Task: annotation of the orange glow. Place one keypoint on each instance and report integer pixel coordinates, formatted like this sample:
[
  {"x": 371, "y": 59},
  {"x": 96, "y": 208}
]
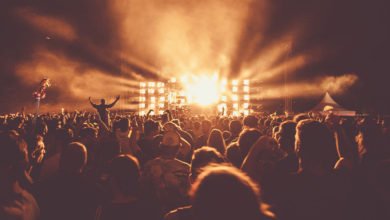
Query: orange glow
[{"x": 203, "y": 90}]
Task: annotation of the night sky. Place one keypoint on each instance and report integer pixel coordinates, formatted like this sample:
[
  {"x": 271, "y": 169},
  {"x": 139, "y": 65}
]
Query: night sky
[{"x": 85, "y": 37}]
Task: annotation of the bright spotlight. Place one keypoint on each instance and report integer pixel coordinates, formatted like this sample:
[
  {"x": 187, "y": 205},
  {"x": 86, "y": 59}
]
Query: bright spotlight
[{"x": 203, "y": 90}]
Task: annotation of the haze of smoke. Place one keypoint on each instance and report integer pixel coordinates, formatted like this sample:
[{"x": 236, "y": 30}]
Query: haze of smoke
[{"x": 332, "y": 84}]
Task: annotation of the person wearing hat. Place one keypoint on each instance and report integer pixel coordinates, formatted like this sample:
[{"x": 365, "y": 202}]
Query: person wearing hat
[{"x": 166, "y": 178}]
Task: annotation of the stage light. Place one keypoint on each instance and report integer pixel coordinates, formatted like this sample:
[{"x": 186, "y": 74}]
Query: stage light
[
  {"x": 246, "y": 82},
  {"x": 161, "y": 112},
  {"x": 246, "y": 112},
  {"x": 235, "y": 82},
  {"x": 142, "y": 105},
  {"x": 151, "y": 91},
  {"x": 221, "y": 107},
  {"x": 235, "y": 97},
  {"x": 142, "y": 112},
  {"x": 151, "y": 84},
  {"x": 161, "y": 90},
  {"x": 162, "y": 99},
  {"x": 246, "y": 105},
  {"x": 246, "y": 89},
  {"x": 142, "y": 99},
  {"x": 160, "y": 84},
  {"x": 142, "y": 91},
  {"x": 236, "y": 113},
  {"x": 152, "y": 99},
  {"x": 246, "y": 97},
  {"x": 235, "y": 106},
  {"x": 152, "y": 106},
  {"x": 202, "y": 90},
  {"x": 142, "y": 84},
  {"x": 224, "y": 82},
  {"x": 173, "y": 80},
  {"x": 161, "y": 105},
  {"x": 235, "y": 89},
  {"x": 223, "y": 98}
]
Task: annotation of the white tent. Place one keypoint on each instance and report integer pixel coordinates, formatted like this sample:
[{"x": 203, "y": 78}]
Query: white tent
[{"x": 328, "y": 104}]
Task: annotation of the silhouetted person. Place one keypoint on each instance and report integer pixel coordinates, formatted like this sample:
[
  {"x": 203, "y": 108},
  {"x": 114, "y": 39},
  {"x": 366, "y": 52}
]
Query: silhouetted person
[
  {"x": 15, "y": 201},
  {"x": 317, "y": 191},
  {"x": 216, "y": 141},
  {"x": 69, "y": 195},
  {"x": 124, "y": 202},
  {"x": 201, "y": 158},
  {"x": 286, "y": 142},
  {"x": 206, "y": 128},
  {"x": 237, "y": 151},
  {"x": 165, "y": 178},
  {"x": 221, "y": 192},
  {"x": 103, "y": 109}
]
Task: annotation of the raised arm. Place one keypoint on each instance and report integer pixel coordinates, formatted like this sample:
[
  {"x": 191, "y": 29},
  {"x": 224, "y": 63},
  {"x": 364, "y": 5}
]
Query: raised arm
[
  {"x": 93, "y": 104},
  {"x": 113, "y": 103}
]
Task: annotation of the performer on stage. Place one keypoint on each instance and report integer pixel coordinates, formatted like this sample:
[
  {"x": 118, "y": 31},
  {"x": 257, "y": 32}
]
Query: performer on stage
[{"x": 103, "y": 109}]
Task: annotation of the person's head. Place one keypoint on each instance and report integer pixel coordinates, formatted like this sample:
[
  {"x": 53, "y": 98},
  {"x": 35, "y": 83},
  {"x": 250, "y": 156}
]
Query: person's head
[
  {"x": 151, "y": 128},
  {"x": 13, "y": 156},
  {"x": 170, "y": 144},
  {"x": 63, "y": 136},
  {"x": 108, "y": 149},
  {"x": 203, "y": 157},
  {"x": 102, "y": 101},
  {"x": 196, "y": 125},
  {"x": 246, "y": 139},
  {"x": 123, "y": 124},
  {"x": 235, "y": 127},
  {"x": 206, "y": 126},
  {"x": 88, "y": 133},
  {"x": 124, "y": 173},
  {"x": 216, "y": 141},
  {"x": 250, "y": 121},
  {"x": 73, "y": 158},
  {"x": 315, "y": 146},
  {"x": 170, "y": 126},
  {"x": 300, "y": 117},
  {"x": 224, "y": 192},
  {"x": 287, "y": 136},
  {"x": 226, "y": 135}
]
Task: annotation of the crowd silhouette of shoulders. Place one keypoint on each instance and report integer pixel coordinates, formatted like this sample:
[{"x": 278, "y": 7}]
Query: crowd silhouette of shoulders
[{"x": 182, "y": 166}]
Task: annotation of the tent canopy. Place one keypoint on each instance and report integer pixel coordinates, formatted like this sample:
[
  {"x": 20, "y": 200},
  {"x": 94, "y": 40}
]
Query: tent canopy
[{"x": 328, "y": 104}]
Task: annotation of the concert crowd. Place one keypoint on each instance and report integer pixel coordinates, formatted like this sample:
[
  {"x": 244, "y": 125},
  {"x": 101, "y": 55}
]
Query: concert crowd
[{"x": 181, "y": 166}]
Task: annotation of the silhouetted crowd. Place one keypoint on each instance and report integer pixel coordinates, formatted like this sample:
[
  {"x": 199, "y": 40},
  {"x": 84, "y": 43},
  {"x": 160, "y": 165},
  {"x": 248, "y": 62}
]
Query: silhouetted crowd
[{"x": 176, "y": 166}]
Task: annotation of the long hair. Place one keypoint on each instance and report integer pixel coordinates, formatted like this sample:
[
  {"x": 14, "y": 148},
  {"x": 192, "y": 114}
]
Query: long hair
[
  {"x": 216, "y": 141},
  {"x": 224, "y": 192}
]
